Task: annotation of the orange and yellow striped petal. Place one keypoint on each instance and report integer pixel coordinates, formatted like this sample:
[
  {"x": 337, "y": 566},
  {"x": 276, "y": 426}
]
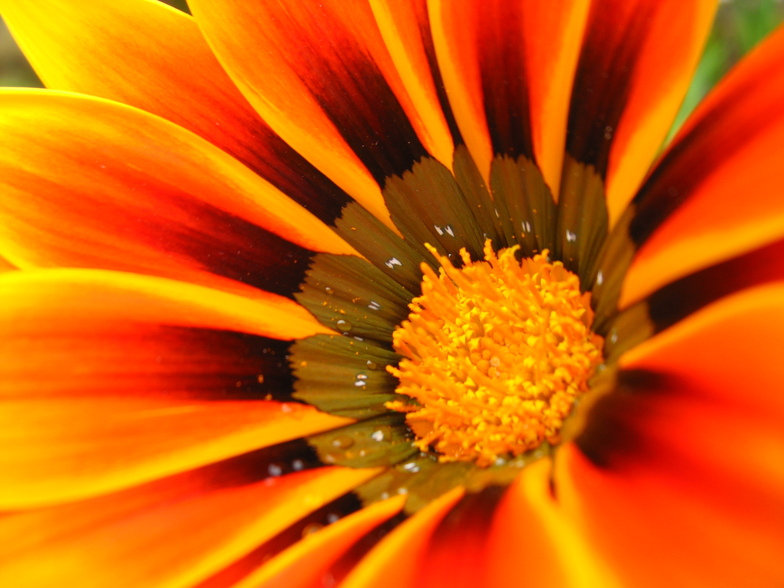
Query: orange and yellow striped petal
[
  {"x": 168, "y": 70},
  {"x": 532, "y": 541},
  {"x": 717, "y": 191},
  {"x": 307, "y": 562},
  {"x": 636, "y": 64},
  {"x": 111, "y": 296},
  {"x": 687, "y": 451},
  {"x": 672, "y": 523},
  {"x": 170, "y": 533},
  {"x": 395, "y": 560},
  {"x": 508, "y": 537},
  {"x": 405, "y": 30},
  {"x": 218, "y": 223},
  {"x": 323, "y": 79},
  {"x": 510, "y": 97},
  {"x": 99, "y": 365},
  {"x": 64, "y": 448}
]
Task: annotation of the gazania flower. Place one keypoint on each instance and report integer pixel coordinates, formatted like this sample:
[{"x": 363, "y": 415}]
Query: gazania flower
[{"x": 388, "y": 293}]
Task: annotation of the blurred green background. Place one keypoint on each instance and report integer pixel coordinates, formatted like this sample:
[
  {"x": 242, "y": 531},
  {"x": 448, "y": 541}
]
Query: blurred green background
[{"x": 740, "y": 24}]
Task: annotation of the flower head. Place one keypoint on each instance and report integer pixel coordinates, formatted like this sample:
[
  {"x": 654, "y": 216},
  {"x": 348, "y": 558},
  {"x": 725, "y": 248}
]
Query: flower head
[{"x": 384, "y": 293}]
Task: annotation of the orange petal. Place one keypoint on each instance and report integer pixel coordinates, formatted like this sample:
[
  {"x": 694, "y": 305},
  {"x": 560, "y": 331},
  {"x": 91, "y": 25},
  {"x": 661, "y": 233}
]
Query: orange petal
[
  {"x": 394, "y": 561},
  {"x": 111, "y": 296},
  {"x": 305, "y": 563},
  {"x": 687, "y": 451},
  {"x": 174, "y": 532},
  {"x": 716, "y": 193},
  {"x": 457, "y": 552},
  {"x": 6, "y": 265},
  {"x": 82, "y": 355},
  {"x": 134, "y": 53},
  {"x": 509, "y": 537},
  {"x": 336, "y": 96},
  {"x": 132, "y": 192},
  {"x": 510, "y": 102},
  {"x": 636, "y": 65},
  {"x": 406, "y": 32},
  {"x": 89, "y": 373},
  {"x": 63, "y": 449},
  {"x": 519, "y": 547},
  {"x": 671, "y": 523},
  {"x": 730, "y": 350},
  {"x": 679, "y": 299},
  {"x": 532, "y": 541}
]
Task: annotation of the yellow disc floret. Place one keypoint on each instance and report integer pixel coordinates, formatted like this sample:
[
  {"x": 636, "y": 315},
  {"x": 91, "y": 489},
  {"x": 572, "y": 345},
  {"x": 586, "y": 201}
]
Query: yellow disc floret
[{"x": 494, "y": 355}]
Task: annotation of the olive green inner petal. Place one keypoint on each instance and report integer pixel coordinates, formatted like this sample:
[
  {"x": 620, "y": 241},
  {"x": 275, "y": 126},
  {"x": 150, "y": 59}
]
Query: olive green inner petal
[
  {"x": 428, "y": 206},
  {"x": 423, "y": 479},
  {"x": 380, "y": 441},
  {"x": 582, "y": 219},
  {"x": 353, "y": 297},
  {"x": 383, "y": 248},
  {"x": 611, "y": 265},
  {"x": 523, "y": 204},
  {"x": 475, "y": 189},
  {"x": 626, "y": 330},
  {"x": 343, "y": 376}
]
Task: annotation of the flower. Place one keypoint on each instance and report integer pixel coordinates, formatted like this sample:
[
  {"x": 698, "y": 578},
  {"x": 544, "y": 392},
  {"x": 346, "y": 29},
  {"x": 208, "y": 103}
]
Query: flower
[{"x": 387, "y": 293}]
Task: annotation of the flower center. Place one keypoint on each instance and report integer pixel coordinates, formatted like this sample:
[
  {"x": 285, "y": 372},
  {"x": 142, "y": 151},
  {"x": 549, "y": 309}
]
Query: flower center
[{"x": 494, "y": 355}]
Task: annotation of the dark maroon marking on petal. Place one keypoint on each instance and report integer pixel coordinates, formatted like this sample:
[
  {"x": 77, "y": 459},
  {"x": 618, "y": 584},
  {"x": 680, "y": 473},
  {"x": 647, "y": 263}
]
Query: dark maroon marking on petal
[
  {"x": 256, "y": 368},
  {"x": 610, "y": 440},
  {"x": 430, "y": 52},
  {"x": 207, "y": 364},
  {"x": 278, "y": 460},
  {"x": 353, "y": 93},
  {"x": 602, "y": 83},
  {"x": 457, "y": 547},
  {"x": 348, "y": 561},
  {"x": 322, "y": 517},
  {"x": 260, "y": 464},
  {"x": 237, "y": 249},
  {"x": 693, "y": 158},
  {"x": 326, "y": 515},
  {"x": 293, "y": 175},
  {"x": 504, "y": 87},
  {"x": 681, "y": 298},
  {"x": 183, "y": 363},
  {"x": 217, "y": 241}
]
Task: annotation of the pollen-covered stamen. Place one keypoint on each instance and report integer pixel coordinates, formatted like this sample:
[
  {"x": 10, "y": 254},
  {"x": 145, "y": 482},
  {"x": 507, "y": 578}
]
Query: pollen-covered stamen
[{"x": 495, "y": 354}]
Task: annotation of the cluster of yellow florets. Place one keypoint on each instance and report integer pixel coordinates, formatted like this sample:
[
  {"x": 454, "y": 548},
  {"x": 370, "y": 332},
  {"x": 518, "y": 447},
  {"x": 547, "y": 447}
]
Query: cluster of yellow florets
[{"x": 495, "y": 353}]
